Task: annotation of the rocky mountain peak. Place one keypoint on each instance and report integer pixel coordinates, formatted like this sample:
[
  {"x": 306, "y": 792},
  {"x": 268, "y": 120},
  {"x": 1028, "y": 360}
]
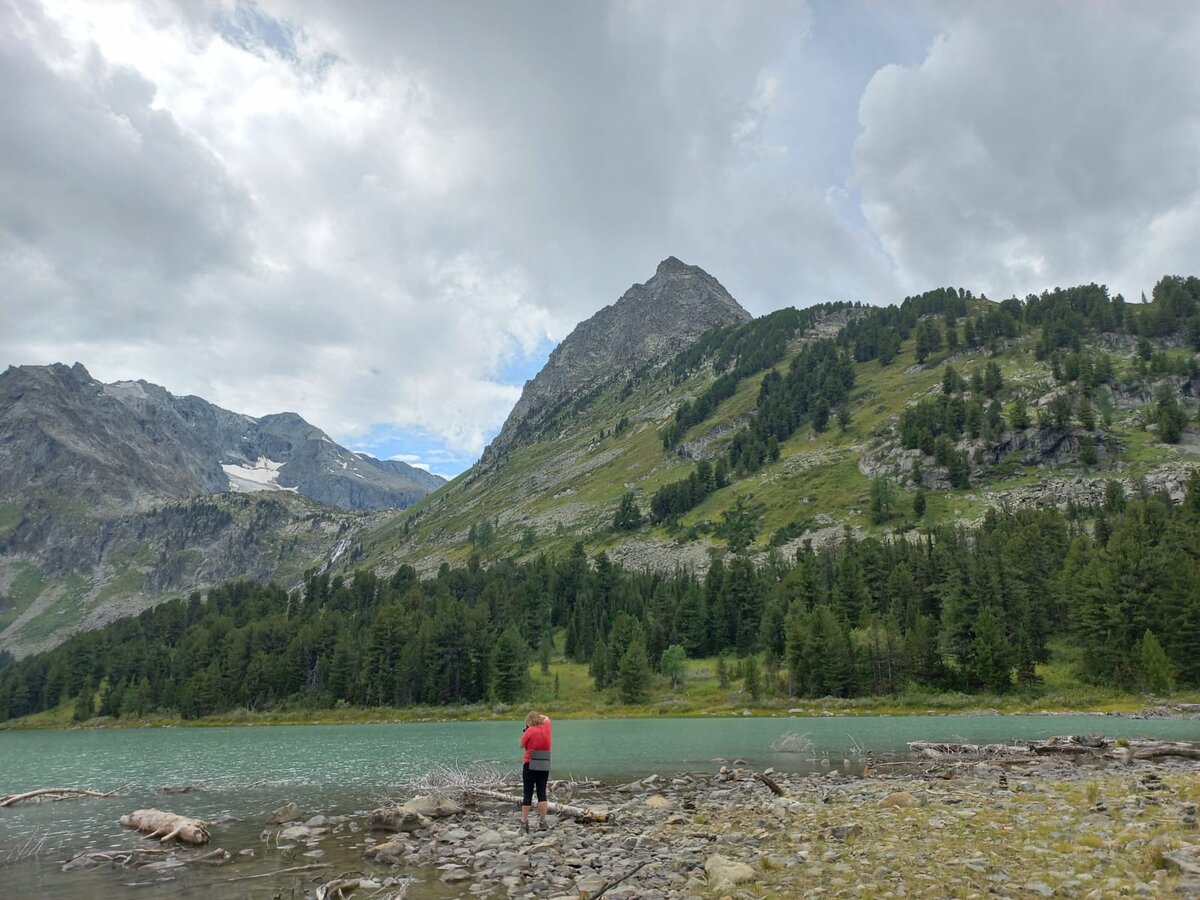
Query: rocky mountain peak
[{"x": 647, "y": 326}]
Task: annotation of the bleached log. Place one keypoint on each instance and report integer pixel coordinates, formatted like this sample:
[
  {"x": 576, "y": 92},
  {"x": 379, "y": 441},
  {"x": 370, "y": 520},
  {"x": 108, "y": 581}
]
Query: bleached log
[
  {"x": 167, "y": 826},
  {"x": 575, "y": 812},
  {"x": 29, "y": 795},
  {"x": 1158, "y": 752},
  {"x": 1070, "y": 745}
]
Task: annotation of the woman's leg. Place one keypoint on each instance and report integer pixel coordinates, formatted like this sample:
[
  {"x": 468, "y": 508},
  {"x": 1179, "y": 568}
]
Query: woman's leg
[
  {"x": 543, "y": 805},
  {"x": 527, "y": 782}
]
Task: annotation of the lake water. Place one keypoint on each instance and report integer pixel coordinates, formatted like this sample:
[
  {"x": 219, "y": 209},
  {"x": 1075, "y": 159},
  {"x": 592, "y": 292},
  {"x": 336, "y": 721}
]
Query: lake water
[{"x": 246, "y": 772}]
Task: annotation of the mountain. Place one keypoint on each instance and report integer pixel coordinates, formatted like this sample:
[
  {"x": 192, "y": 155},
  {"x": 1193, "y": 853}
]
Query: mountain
[
  {"x": 947, "y": 494},
  {"x": 646, "y": 327},
  {"x": 131, "y": 443},
  {"x": 115, "y": 495},
  {"x": 811, "y": 425}
]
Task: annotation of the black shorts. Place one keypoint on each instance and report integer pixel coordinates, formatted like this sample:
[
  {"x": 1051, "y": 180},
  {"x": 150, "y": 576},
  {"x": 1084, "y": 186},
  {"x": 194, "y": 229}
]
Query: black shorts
[{"x": 530, "y": 780}]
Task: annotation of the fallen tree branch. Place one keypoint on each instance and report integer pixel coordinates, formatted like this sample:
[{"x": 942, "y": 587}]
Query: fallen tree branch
[
  {"x": 612, "y": 884},
  {"x": 311, "y": 867},
  {"x": 575, "y": 812},
  {"x": 770, "y": 783},
  {"x": 29, "y": 795},
  {"x": 332, "y": 890}
]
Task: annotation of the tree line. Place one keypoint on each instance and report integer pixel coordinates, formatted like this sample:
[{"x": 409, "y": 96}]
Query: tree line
[{"x": 972, "y": 609}]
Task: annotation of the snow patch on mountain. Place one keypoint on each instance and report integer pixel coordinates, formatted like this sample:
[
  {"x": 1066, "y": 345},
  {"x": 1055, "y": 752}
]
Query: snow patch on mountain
[{"x": 262, "y": 476}]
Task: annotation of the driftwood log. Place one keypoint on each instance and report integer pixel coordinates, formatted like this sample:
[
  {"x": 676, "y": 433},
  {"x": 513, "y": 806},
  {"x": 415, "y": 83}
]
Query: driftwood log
[
  {"x": 561, "y": 809},
  {"x": 1180, "y": 750},
  {"x": 167, "y": 826},
  {"x": 1073, "y": 745},
  {"x": 44, "y": 792},
  {"x": 770, "y": 783}
]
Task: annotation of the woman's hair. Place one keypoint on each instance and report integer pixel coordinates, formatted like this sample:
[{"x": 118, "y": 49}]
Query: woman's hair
[{"x": 534, "y": 718}]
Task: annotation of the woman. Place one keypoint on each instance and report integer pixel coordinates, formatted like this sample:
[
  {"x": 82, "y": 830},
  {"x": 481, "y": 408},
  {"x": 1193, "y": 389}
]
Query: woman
[{"x": 536, "y": 770}]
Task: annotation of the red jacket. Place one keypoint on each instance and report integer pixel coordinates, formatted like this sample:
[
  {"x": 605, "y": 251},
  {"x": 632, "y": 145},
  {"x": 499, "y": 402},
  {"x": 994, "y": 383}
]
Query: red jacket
[{"x": 536, "y": 737}]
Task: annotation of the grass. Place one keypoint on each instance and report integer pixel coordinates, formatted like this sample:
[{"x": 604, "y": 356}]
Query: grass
[
  {"x": 10, "y": 517},
  {"x": 818, "y": 473},
  {"x": 27, "y": 585},
  {"x": 567, "y": 691}
]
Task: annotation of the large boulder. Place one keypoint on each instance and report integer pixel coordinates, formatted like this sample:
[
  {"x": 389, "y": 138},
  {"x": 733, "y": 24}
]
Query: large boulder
[
  {"x": 433, "y": 807},
  {"x": 724, "y": 872},
  {"x": 289, "y": 812},
  {"x": 396, "y": 818},
  {"x": 389, "y": 853}
]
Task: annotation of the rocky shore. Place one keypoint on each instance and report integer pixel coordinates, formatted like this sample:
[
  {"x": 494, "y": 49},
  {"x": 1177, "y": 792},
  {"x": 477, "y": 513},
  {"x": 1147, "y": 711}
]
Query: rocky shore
[{"x": 1107, "y": 826}]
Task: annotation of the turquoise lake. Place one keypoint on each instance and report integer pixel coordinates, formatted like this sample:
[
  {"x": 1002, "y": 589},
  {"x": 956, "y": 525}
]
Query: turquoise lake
[{"x": 245, "y": 772}]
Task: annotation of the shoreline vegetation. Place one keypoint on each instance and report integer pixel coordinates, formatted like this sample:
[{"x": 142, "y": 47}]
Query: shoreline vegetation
[{"x": 701, "y": 695}]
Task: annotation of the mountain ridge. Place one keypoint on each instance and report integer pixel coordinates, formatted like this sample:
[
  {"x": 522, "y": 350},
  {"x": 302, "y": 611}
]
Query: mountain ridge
[
  {"x": 647, "y": 326},
  {"x": 115, "y": 496}
]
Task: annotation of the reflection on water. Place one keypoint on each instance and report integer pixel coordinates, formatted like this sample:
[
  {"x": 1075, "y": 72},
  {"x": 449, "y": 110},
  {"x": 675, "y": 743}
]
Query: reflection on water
[{"x": 245, "y": 773}]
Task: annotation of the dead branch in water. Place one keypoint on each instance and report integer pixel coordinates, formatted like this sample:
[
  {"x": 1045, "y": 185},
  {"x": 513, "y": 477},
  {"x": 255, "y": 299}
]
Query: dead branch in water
[
  {"x": 575, "y": 812},
  {"x": 44, "y": 792},
  {"x": 166, "y": 826},
  {"x": 311, "y": 867}
]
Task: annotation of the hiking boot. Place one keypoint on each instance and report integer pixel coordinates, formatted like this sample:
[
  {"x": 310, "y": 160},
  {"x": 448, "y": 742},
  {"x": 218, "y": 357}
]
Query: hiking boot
[
  {"x": 525, "y": 827},
  {"x": 542, "y": 826}
]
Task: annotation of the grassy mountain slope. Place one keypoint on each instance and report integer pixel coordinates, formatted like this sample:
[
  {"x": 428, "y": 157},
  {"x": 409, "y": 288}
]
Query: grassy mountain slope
[{"x": 565, "y": 488}]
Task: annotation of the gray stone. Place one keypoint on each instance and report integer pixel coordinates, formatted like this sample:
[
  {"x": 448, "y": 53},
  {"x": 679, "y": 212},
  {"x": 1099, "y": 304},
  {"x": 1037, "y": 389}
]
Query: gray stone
[
  {"x": 433, "y": 807},
  {"x": 455, "y": 874},
  {"x": 844, "y": 832},
  {"x": 396, "y": 819},
  {"x": 294, "y": 833},
  {"x": 724, "y": 872},
  {"x": 289, "y": 812}
]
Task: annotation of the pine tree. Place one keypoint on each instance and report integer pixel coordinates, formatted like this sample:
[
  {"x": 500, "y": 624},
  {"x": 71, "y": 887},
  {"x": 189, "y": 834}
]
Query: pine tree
[
  {"x": 751, "y": 677},
  {"x": 1157, "y": 673},
  {"x": 598, "y": 667},
  {"x": 633, "y": 675},
  {"x": 628, "y": 516},
  {"x": 84, "y": 709},
  {"x": 510, "y": 666},
  {"x": 993, "y": 659}
]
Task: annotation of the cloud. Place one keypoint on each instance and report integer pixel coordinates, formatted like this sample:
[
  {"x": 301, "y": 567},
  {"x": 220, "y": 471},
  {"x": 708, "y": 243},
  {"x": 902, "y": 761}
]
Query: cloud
[
  {"x": 382, "y": 216},
  {"x": 1048, "y": 144}
]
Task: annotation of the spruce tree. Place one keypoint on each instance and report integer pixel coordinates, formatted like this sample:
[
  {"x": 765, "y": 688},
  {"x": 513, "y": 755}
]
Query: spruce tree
[
  {"x": 1154, "y": 667},
  {"x": 633, "y": 675},
  {"x": 510, "y": 666},
  {"x": 993, "y": 659}
]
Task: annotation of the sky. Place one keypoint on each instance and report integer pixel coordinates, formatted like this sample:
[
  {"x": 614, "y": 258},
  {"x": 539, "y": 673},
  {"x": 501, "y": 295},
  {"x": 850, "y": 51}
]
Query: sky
[{"x": 384, "y": 216}]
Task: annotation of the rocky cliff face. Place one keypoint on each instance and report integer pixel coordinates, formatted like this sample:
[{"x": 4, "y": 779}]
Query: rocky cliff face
[
  {"x": 648, "y": 326},
  {"x": 115, "y": 496},
  {"x": 131, "y": 444}
]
